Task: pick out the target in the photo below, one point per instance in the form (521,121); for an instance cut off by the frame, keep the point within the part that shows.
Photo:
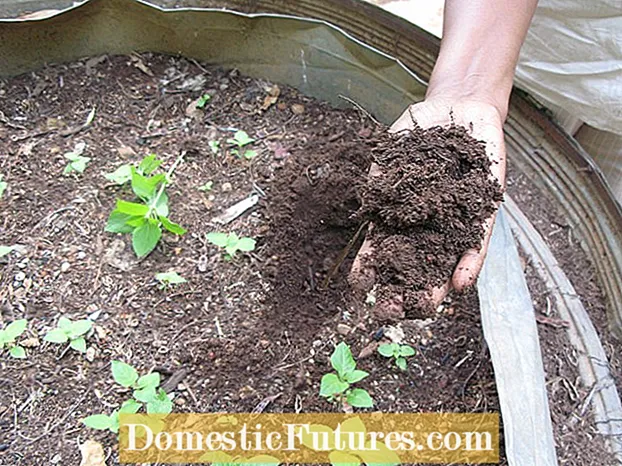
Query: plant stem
(169,174)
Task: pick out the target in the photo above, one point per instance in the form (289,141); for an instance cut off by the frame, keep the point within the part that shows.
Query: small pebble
(81,255)
(226,187)
(343,329)
(20,277)
(65,266)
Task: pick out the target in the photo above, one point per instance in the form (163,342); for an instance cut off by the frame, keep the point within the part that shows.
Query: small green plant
(3,186)
(231,243)
(167,279)
(70,331)
(214,146)
(338,387)
(241,139)
(203,100)
(206,187)
(77,162)
(145,219)
(398,352)
(123,174)
(9,336)
(146,392)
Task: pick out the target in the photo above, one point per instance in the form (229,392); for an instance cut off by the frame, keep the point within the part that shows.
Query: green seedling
(167,279)
(77,162)
(3,186)
(145,219)
(203,100)
(70,331)
(146,392)
(231,243)
(206,187)
(214,146)
(398,352)
(338,387)
(5,250)
(123,174)
(241,139)
(9,336)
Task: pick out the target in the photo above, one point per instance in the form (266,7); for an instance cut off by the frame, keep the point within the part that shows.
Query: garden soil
(250,334)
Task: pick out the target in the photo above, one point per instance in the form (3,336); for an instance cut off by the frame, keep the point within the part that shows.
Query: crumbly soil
(254,333)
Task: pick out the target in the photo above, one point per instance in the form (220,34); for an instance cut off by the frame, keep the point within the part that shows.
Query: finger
(438,294)
(471,262)
(422,114)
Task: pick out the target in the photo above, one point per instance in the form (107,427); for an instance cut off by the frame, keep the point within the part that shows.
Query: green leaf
(130,407)
(149,164)
(218,239)
(359,398)
(241,139)
(78,344)
(145,187)
(170,278)
(145,238)
(379,455)
(355,376)
(77,163)
(18,352)
(118,222)
(56,335)
(206,187)
(121,175)
(114,422)
(342,360)
(250,154)
(149,380)
(246,244)
(146,394)
(162,404)
(214,146)
(338,458)
(174,228)
(4,250)
(132,208)
(98,421)
(387,350)
(15,329)
(124,374)
(401,363)
(203,100)
(406,351)
(332,385)
(80,327)
(3,186)
(64,323)
(161,206)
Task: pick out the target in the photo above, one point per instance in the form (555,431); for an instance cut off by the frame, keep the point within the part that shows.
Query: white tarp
(572,58)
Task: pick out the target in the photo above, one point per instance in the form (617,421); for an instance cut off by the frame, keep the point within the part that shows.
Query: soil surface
(254,333)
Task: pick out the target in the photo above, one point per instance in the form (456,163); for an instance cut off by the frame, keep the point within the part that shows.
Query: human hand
(485,123)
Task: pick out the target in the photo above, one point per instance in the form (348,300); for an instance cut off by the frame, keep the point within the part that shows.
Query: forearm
(479,50)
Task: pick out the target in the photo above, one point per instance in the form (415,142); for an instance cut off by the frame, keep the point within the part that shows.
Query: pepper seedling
(9,336)
(338,387)
(146,392)
(145,219)
(167,279)
(231,243)
(70,331)
(241,139)
(77,162)
(398,352)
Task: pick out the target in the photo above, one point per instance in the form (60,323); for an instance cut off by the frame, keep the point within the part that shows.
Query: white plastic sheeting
(572,58)
(510,329)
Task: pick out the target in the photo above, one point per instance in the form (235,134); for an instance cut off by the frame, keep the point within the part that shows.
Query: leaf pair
(70,331)
(77,162)
(123,174)
(10,334)
(231,242)
(169,278)
(241,139)
(337,386)
(398,352)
